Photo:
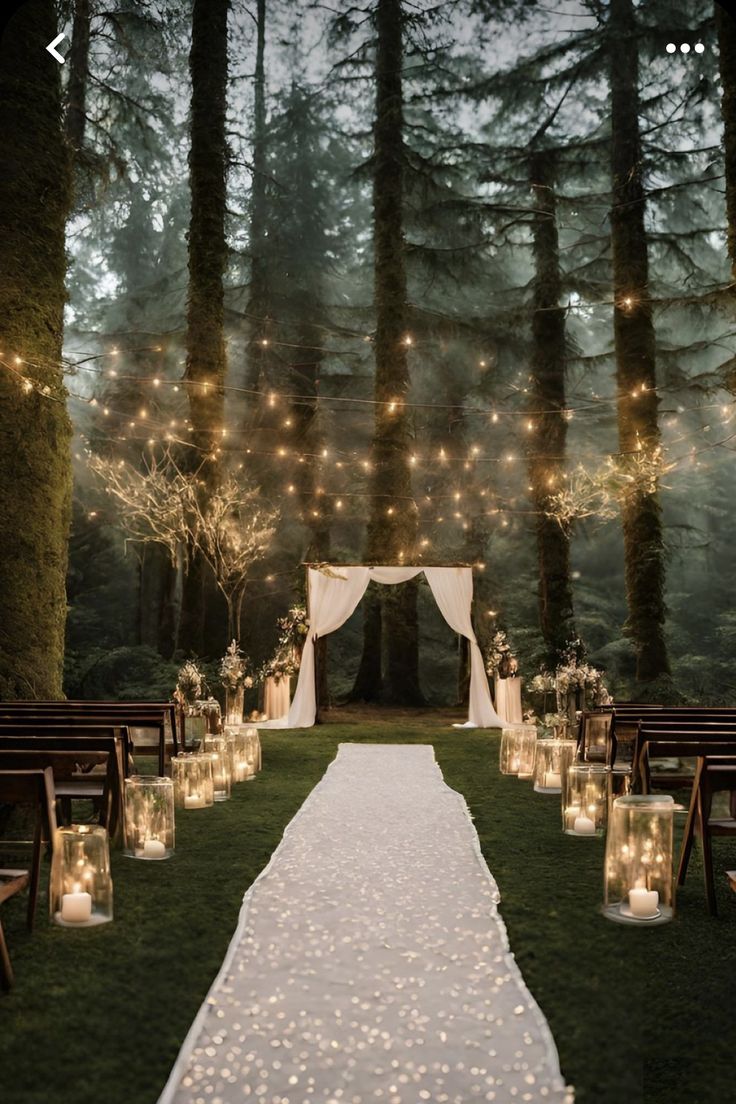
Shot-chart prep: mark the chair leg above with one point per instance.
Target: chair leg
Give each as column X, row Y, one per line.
column 6, row 970
column 35, row 878
column 704, row 805
column 687, row 839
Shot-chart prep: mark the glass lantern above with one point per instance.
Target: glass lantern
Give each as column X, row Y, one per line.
column 242, row 758
column 234, row 702
column 192, row 778
column 149, row 817
column 216, row 748
column 527, row 752
column 638, row 882
column 253, row 734
column 80, row 890
column 551, row 761
column 510, row 751
column 585, row 799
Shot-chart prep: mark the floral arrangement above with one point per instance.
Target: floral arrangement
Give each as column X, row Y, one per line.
column 543, row 683
column 500, row 659
column 294, row 625
column 190, row 683
column 281, row 665
column 209, row 708
column 234, row 669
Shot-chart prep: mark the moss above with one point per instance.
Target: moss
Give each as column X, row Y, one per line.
column 35, row 490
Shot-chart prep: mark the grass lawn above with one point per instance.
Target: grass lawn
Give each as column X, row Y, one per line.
column 638, row 1015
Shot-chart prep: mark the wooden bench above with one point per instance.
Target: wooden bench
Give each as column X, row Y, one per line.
column 8, row 889
column 72, row 760
column 145, row 715
column 34, row 788
column 715, row 772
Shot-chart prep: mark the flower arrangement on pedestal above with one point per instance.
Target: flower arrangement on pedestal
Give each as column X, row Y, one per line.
column 575, row 684
column 281, row 665
column 500, row 659
column 236, row 679
column 190, row 684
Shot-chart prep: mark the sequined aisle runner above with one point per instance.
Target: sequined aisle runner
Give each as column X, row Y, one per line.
column 370, row 963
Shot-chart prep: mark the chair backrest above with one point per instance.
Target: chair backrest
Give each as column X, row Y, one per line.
column 596, row 740
column 31, row 786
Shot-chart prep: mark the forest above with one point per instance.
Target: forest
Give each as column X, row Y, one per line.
column 392, row 282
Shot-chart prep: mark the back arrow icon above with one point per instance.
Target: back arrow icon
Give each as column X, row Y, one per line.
column 55, row 53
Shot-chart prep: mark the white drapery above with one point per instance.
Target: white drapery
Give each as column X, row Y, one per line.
column 334, row 593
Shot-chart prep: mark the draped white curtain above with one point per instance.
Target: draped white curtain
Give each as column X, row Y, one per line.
column 333, row 598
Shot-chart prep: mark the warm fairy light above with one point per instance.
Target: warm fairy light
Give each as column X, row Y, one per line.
column 443, row 455
column 106, row 411
column 27, row 386
column 264, row 342
column 475, row 450
column 482, row 363
column 392, row 407
column 491, row 613
column 530, row 426
column 112, row 373
column 287, row 423
column 272, row 398
column 156, row 381
column 17, row 360
column 457, row 496
column 390, row 510
column 494, row 416
column 114, row 351
column 412, row 459
column 338, row 504
column 291, row 488
column 282, row 452
column 408, row 339
column 325, row 453
column 143, row 413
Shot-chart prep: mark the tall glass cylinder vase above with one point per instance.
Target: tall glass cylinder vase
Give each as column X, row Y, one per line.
column 192, row 778
column 638, row 882
column 80, row 888
column 550, row 764
column 216, row 747
column 234, row 700
column 149, row 817
column 585, row 799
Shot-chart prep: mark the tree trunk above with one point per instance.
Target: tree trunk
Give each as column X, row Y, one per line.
column 634, row 341
column 35, row 433
column 257, row 307
column 206, row 362
column 393, row 524
column 76, row 91
column 727, row 52
column 546, row 407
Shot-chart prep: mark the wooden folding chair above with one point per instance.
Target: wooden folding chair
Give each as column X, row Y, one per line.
column 713, row 774
column 34, row 788
column 596, row 741
column 8, row 889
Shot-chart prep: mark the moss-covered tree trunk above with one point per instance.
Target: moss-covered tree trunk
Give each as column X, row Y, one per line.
column 257, row 309
column 76, row 90
column 726, row 26
column 546, row 406
column 35, row 433
column 393, row 523
column 206, row 361
column 634, row 339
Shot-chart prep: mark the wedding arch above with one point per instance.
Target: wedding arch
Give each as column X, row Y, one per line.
column 333, row 593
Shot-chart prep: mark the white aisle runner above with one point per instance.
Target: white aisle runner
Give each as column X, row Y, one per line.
column 370, row 963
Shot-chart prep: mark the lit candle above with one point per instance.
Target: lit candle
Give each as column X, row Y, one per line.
column 193, row 801
column 584, row 826
column 514, row 765
column 153, row 849
column 552, row 780
column 643, row 902
column 76, row 908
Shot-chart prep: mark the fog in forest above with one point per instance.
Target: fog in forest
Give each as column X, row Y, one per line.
column 523, row 425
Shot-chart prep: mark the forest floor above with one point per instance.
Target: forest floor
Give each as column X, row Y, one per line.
column 642, row 1016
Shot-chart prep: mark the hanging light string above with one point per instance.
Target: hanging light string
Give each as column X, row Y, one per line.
column 272, row 397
